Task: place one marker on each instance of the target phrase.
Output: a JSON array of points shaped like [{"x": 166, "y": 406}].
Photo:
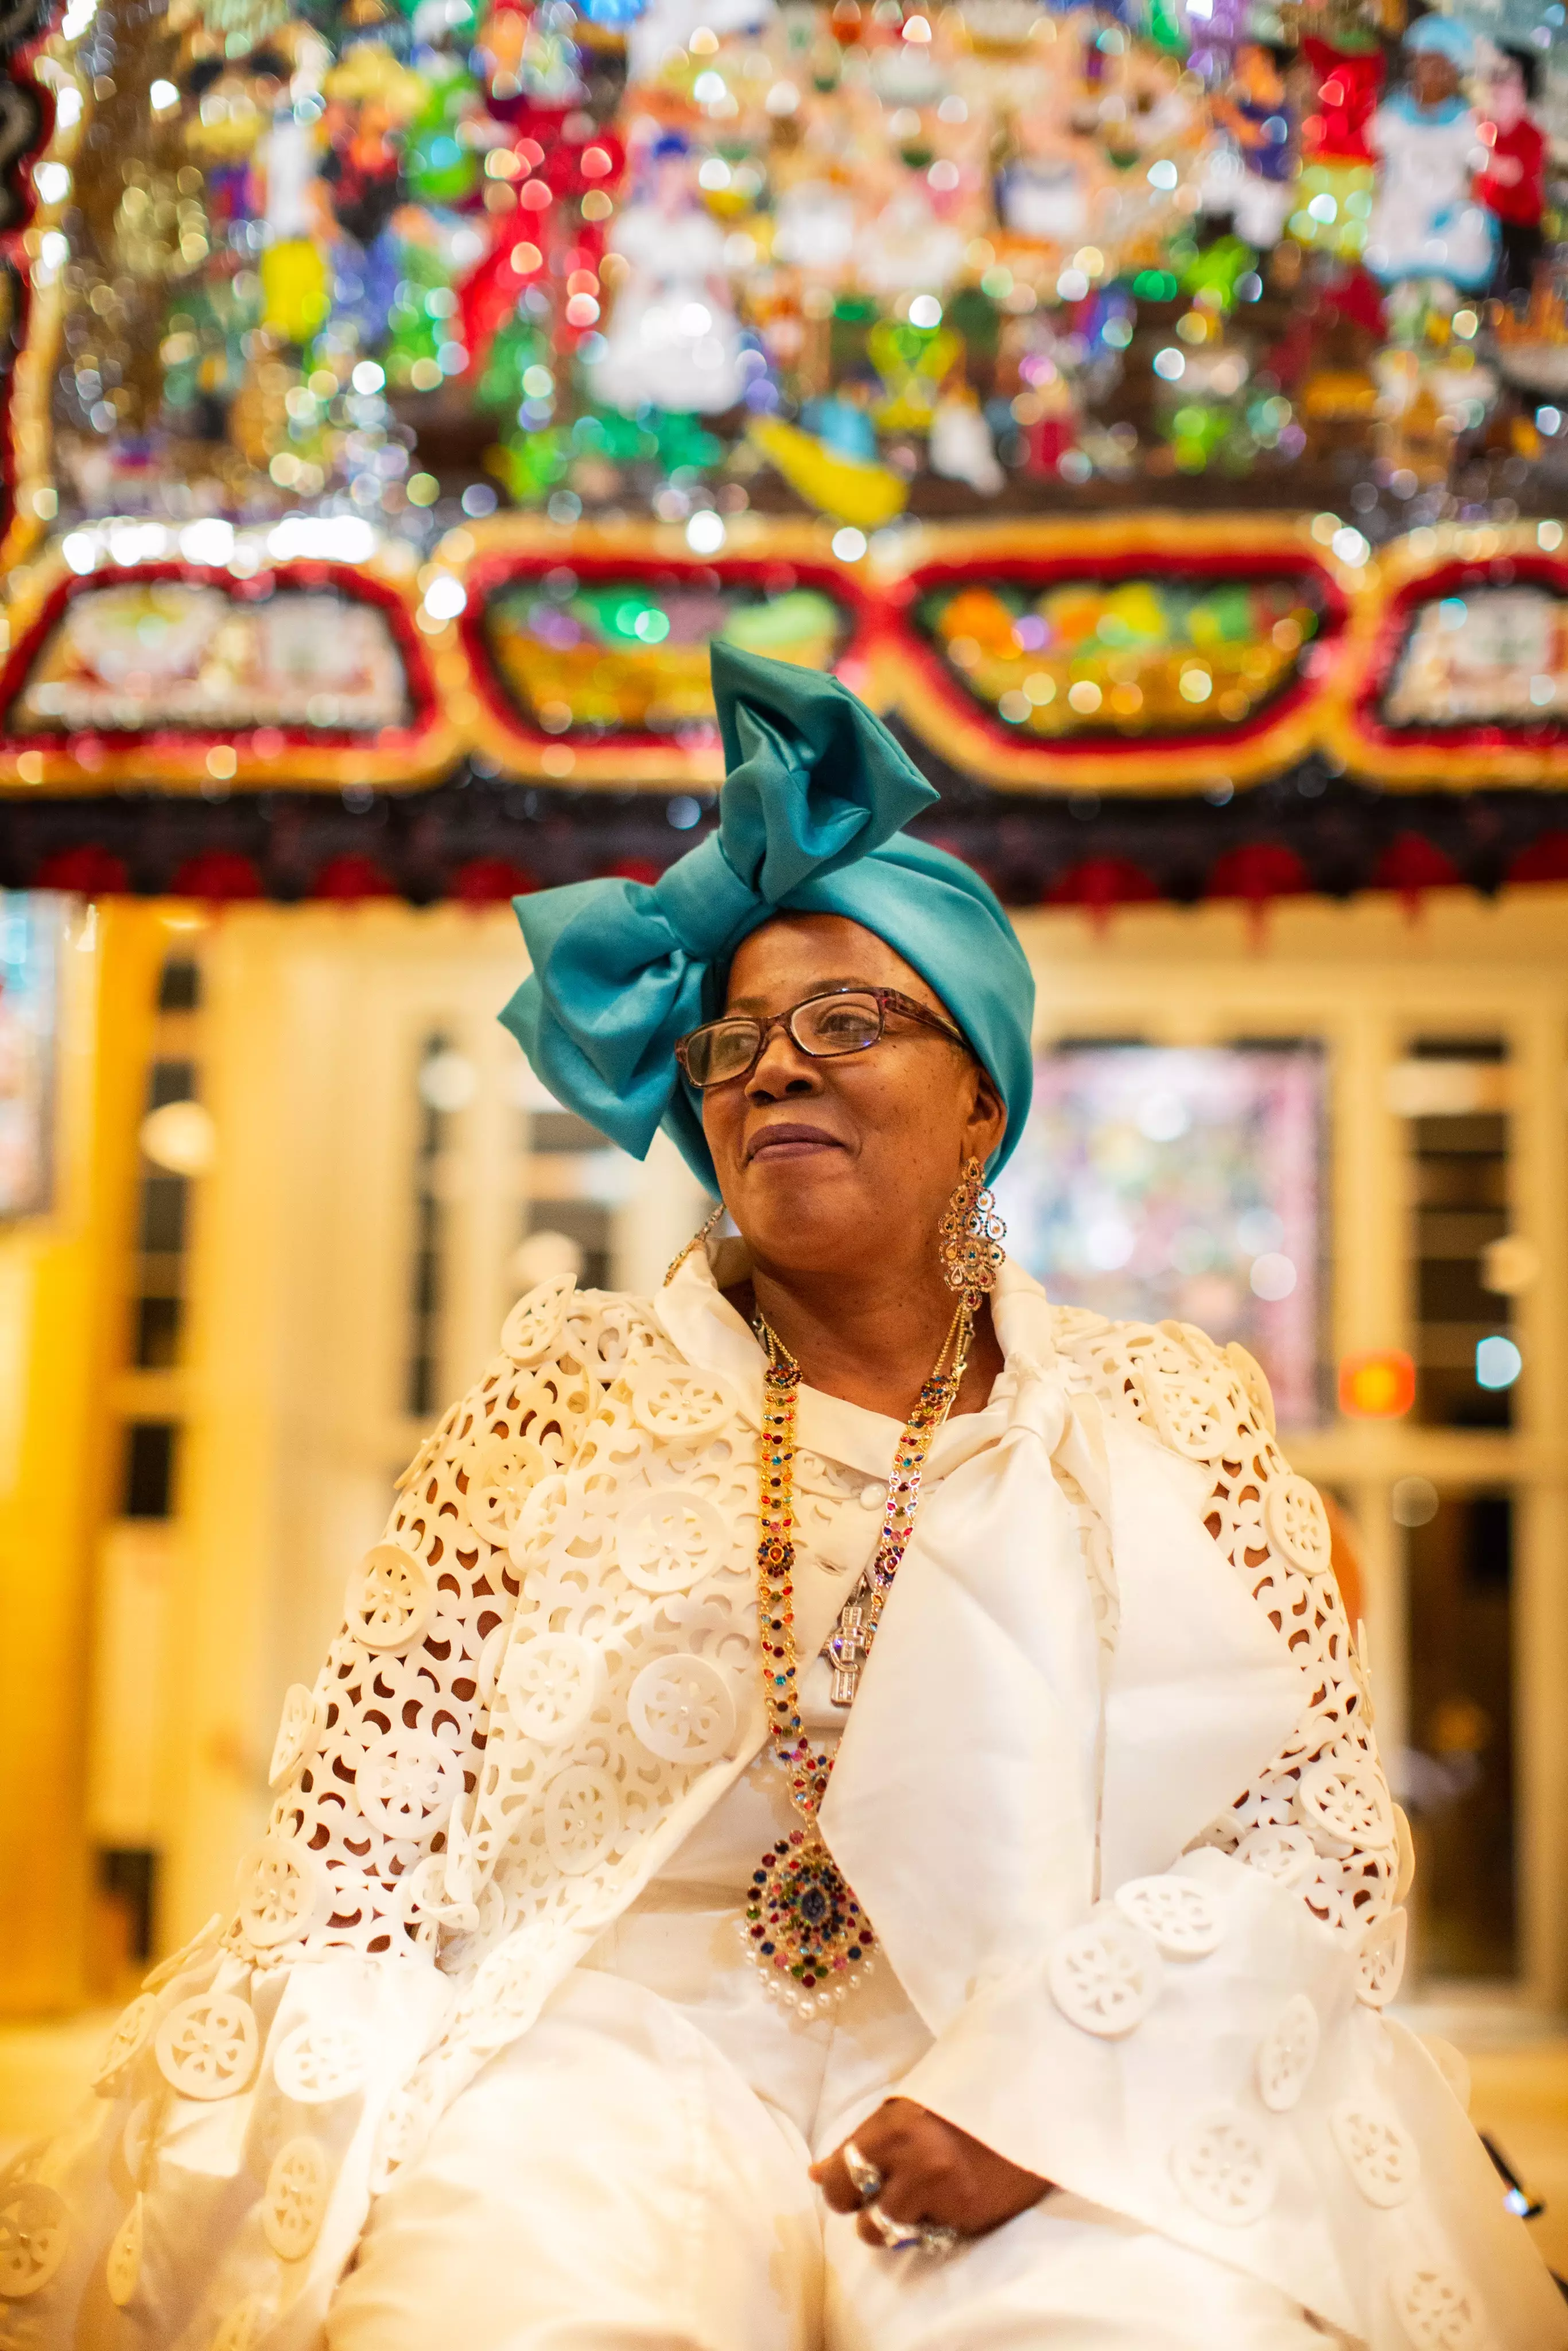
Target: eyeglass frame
[{"x": 887, "y": 999}]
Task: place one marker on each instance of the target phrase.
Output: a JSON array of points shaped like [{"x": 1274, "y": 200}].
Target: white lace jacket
[{"x": 1153, "y": 1947}]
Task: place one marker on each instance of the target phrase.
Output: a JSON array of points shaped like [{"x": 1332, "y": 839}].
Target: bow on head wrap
[{"x": 809, "y": 822}]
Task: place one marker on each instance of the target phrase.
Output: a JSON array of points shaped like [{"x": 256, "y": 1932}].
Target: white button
[
  {"x": 1347, "y": 1802},
  {"x": 206, "y": 2047},
  {"x": 407, "y": 1783},
  {"x": 123, "y": 2266},
  {"x": 1298, "y": 1524},
  {"x": 295, "y": 1732},
  {"x": 668, "y": 1400},
  {"x": 873, "y": 1497},
  {"x": 34, "y": 2230},
  {"x": 1224, "y": 2170},
  {"x": 240, "y": 2326},
  {"x": 1286, "y": 2053},
  {"x": 1438, "y": 2308},
  {"x": 1286, "y": 1855},
  {"x": 1380, "y": 1961},
  {"x": 552, "y": 1684},
  {"x": 296, "y": 2199},
  {"x": 669, "y": 1538},
  {"x": 682, "y": 1709},
  {"x": 125, "y": 2043},
  {"x": 535, "y": 1320},
  {"x": 1182, "y": 1920},
  {"x": 583, "y": 1818},
  {"x": 283, "y": 1887},
  {"x": 1379, "y": 2154},
  {"x": 1105, "y": 1976},
  {"x": 319, "y": 2063},
  {"x": 389, "y": 1600}
]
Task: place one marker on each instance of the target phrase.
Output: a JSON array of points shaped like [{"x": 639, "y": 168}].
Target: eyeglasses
[{"x": 842, "y": 1020}]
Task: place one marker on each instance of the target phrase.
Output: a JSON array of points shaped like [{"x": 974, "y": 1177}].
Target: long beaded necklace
[{"x": 805, "y": 1931}]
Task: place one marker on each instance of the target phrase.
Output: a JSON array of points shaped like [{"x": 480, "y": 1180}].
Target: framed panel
[
  {"x": 1458, "y": 670},
  {"x": 1151, "y": 653},
  {"x": 590, "y": 655},
  {"x": 258, "y": 669}
]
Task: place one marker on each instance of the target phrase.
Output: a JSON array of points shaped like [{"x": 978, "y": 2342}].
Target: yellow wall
[{"x": 62, "y": 1305}]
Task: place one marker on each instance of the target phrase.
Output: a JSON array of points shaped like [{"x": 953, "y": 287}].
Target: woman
[{"x": 844, "y": 1811}]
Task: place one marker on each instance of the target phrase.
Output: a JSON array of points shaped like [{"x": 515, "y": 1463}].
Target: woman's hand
[{"x": 931, "y": 2171}]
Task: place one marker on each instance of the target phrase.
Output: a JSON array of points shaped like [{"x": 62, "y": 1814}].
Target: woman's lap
[{"x": 610, "y": 2183}]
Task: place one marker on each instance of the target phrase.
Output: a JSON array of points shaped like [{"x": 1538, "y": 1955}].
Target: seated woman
[{"x": 843, "y": 1815}]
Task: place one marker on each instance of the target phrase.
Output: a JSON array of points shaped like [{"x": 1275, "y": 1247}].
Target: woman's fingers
[
  {"x": 879, "y": 2139},
  {"x": 931, "y": 2171},
  {"x": 911, "y": 2191},
  {"x": 833, "y": 2177}
]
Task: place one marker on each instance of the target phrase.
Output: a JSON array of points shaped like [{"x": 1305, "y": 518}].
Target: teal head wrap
[{"x": 809, "y": 822}]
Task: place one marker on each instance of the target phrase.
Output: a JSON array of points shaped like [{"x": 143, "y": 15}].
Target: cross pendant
[{"x": 848, "y": 1646}]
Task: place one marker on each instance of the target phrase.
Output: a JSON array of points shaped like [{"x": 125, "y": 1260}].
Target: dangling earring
[
  {"x": 696, "y": 1242},
  {"x": 971, "y": 1235}
]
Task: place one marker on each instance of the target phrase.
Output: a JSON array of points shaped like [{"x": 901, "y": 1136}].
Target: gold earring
[
  {"x": 696, "y": 1242},
  {"x": 971, "y": 1235}
]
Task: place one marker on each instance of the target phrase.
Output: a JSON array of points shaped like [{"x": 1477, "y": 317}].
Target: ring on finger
[
  {"x": 895, "y": 2234},
  {"x": 931, "y": 2237},
  {"x": 864, "y": 2177}
]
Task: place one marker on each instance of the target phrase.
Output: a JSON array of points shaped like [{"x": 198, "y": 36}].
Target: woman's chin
[{"x": 807, "y": 1227}]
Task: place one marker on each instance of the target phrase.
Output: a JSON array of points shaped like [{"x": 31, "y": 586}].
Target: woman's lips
[{"x": 791, "y": 1143}]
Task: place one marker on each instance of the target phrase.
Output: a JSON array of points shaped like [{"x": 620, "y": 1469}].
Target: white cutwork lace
[{"x": 556, "y": 1636}]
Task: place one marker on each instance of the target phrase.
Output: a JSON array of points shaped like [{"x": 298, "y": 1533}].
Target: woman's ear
[{"x": 987, "y": 1120}]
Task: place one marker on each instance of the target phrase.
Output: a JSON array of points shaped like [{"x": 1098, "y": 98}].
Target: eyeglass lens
[{"x": 823, "y": 1026}]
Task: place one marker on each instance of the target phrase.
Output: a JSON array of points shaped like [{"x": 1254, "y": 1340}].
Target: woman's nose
[{"x": 782, "y": 1069}]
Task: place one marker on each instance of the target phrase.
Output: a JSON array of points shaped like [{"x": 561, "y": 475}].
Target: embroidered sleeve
[
  {"x": 1319, "y": 1816},
  {"x": 372, "y": 1764}
]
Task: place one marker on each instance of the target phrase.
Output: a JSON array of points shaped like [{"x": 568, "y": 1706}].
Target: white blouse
[{"x": 1109, "y": 1793}]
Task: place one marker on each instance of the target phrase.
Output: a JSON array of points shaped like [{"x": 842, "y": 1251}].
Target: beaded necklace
[{"x": 804, "y": 1929}]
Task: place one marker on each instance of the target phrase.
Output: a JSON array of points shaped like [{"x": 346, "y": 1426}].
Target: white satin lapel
[
  {"x": 1202, "y": 1690},
  {"x": 961, "y": 1807}
]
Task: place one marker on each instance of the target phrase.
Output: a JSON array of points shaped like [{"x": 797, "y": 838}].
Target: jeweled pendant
[{"x": 806, "y": 1935}]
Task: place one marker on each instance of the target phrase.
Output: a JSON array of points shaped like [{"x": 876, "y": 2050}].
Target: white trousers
[{"x": 631, "y": 2176}]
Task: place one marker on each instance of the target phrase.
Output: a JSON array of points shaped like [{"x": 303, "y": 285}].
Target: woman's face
[{"x": 830, "y": 1164}]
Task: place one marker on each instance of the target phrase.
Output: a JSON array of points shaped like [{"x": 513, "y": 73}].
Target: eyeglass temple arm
[{"x": 918, "y": 1012}]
